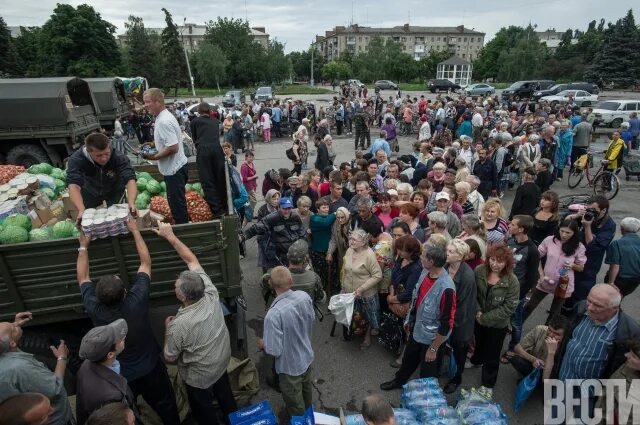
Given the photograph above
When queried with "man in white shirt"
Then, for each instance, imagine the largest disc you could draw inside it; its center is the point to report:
(172, 161)
(466, 152)
(477, 123)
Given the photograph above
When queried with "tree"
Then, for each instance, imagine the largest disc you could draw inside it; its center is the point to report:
(142, 52)
(428, 65)
(77, 41)
(174, 64)
(245, 55)
(9, 62)
(486, 64)
(618, 60)
(525, 60)
(336, 70)
(278, 66)
(210, 65)
(28, 49)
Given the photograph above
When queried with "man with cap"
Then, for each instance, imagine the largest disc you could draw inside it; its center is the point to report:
(303, 278)
(20, 372)
(197, 338)
(99, 380)
(210, 159)
(443, 204)
(288, 327)
(283, 228)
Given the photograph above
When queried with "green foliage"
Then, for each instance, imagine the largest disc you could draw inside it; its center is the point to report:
(28, 48)
(525, 59)
(428, 65)
(301, 65)
(143, 51)
(210, 65)
(9, 61)
(245, 55)
(174, 63)
(487, 64)
(277, 65)
(336, 70)
(77, 41)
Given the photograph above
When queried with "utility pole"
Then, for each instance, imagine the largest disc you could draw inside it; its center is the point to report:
(186, 56)
(311, 82)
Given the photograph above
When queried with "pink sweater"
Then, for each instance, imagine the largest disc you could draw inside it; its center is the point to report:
(247, 171)
(555, 260)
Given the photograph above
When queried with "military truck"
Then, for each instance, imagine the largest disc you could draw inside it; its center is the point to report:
(40, 277)
(44, 119)
(112, 99)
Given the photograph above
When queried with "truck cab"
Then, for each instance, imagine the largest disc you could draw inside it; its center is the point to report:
(111, 97)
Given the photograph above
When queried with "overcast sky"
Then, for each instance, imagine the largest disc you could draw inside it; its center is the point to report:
(295, 23)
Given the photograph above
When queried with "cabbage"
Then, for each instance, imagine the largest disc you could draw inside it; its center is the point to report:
(63, 229)
(163, 194)
(142, 200)
(164, 186)
(60, 185)
(197, 187)
(153, 187)
(146, 176)
(20, 220)
(50, 193)
(57, 173)
(46, 168)
(187, 187)
(42, 234)
(14, 234)
(142, 184)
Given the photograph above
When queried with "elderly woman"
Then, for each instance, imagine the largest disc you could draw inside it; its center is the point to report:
(462, 169)
(328, 140)
(466, 295)
(300, 151)
(382, 244)
(472, 228)
(303, 210)
(404, 192)
(361, 275)
(498, 294)
(436, 176)
(338, 245)
(271, 204)
(495, 226)
(462, 191)
(438, 224)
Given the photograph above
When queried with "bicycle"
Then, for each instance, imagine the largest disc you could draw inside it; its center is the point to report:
(604, 182)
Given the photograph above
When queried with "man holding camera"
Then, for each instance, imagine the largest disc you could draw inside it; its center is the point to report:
(598, 230)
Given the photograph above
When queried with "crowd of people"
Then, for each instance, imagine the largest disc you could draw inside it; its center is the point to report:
(423, 241)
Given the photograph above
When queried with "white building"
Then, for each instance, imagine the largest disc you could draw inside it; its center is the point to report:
(456, 70)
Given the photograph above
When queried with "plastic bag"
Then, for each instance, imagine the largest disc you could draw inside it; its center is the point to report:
(525, 388)
(253, 412)
(421, 383)
(453, 367)
(473, 408)
(341, 306)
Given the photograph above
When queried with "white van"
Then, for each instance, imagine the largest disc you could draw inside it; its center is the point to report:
(615, 112)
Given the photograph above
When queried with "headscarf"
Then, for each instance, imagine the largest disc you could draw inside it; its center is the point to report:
(267, 198)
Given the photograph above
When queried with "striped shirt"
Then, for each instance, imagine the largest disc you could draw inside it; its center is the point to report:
(198, 338)
(587, 351)
(287, 332)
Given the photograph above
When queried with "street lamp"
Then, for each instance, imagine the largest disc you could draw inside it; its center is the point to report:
(186, 56)
(313, 47)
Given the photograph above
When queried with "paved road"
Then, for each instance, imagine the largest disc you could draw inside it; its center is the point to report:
(344, 375)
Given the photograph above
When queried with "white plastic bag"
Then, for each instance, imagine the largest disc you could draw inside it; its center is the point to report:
(341, 306)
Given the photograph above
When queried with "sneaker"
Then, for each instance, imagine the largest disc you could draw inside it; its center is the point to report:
(390, 385)
(469, 365)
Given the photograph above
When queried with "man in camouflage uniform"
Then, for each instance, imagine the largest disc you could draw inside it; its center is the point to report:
(362, 121)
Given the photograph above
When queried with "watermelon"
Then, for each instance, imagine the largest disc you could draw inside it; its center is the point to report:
(50, 193)
(187, 187)
(142, 184)
(163, 194)
(153, 187)
(57, 173)
(146, 176)
(142, 200)
(164, 186)
(60, 185)
(20, 220)
(14, 234)
(42, 234)
(63, 229)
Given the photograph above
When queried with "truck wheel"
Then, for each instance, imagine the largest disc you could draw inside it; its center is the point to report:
(27, 155)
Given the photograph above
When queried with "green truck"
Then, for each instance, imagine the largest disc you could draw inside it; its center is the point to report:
(111, 96)
(40, 277)
(44, 119)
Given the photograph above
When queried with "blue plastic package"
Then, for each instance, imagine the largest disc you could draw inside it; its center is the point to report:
(354, 420)
(265, 418)
(525, 388)
(252, 411)
(421, 384)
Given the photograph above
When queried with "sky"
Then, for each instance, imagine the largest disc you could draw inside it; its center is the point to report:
(296, 23)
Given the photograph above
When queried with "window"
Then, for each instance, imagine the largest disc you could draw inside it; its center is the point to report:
(360, 38)
(464, 39)
(459, 39)
(433, 38)
(631, 107)
(463, 55)
(438, 38)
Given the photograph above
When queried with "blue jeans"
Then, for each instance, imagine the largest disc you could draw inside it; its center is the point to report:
(516, 325)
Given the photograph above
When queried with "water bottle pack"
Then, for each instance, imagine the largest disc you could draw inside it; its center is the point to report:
(425, 399)
(474, 409)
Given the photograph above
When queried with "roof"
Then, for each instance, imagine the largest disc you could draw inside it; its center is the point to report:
(11, 88)
(455, 60)
(407, 29)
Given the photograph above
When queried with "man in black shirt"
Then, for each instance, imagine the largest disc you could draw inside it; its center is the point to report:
(487, 172)
(107, 301)
(544, 178)
(527, 196)
(527, 259)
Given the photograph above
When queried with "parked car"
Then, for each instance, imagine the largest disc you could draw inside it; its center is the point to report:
(263, 94)
(233, 98)
(614, 112)
(442, 84)
(580, 97)
(385, 85)
(356, 83)
(193, 110)
(480, 89)
(588, 87)
(525, 89)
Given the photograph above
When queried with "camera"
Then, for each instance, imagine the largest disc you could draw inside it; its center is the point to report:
(590, 214)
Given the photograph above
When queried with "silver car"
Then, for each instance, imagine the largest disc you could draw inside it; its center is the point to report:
(480, 89)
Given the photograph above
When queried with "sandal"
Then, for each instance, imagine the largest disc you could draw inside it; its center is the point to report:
(506, 357)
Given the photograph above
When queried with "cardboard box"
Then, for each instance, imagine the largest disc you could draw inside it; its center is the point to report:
(144, 219)
(36, 222)
(45, 214)
(69, 208)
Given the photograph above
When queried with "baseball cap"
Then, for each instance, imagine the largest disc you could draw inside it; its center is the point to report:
(99, 340)
(451, 171)
(286, 203)
(298, 251)
(442, 195)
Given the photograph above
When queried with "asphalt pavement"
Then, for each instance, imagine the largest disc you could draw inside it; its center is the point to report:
(343, 374)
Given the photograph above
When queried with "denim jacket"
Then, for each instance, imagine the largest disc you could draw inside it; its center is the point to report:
(425, 318)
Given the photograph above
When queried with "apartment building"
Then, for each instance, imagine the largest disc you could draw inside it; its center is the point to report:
(192, 35)
(415, 40)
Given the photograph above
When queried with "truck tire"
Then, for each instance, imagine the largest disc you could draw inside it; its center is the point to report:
(27, 155)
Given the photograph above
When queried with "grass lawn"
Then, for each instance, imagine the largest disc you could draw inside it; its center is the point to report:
(279, 91)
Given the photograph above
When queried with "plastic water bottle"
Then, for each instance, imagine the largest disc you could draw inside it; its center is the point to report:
(563, 280)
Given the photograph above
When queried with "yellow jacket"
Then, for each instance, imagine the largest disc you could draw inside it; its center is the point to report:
(614, 152)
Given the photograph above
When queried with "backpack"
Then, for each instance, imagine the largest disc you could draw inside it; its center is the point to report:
(290, 154)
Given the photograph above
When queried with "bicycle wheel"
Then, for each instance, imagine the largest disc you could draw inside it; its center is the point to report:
(606, 184)
(575, 177)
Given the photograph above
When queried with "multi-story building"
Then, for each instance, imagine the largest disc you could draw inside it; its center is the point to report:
(552, 39)
(416, 41)
(192, 35)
